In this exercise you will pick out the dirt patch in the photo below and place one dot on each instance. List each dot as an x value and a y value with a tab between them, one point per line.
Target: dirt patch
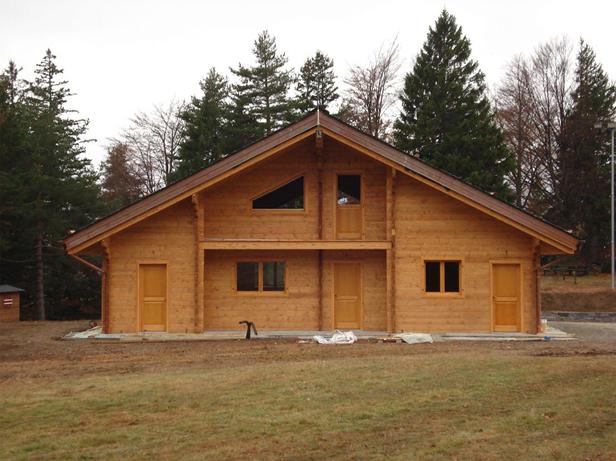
573	352
32	350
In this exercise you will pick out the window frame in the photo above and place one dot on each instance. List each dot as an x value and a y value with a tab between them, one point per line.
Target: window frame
361	189
260	291
442	293
292	211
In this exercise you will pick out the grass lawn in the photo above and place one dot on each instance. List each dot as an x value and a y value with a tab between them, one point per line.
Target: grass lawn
273	400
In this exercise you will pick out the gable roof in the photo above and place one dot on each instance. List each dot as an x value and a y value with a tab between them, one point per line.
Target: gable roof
340	131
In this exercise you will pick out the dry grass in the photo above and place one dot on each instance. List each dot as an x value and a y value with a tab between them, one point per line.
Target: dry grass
586	282
273	400
591	293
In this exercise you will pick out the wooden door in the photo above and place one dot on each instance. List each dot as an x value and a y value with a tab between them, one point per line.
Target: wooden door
506	297
349	207
347	295
153	297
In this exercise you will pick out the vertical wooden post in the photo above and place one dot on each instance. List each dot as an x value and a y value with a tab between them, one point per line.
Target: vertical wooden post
538	276
105	280
199	312
390	254
319	154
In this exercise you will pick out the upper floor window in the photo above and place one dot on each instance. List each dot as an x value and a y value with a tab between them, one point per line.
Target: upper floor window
289	196
349	189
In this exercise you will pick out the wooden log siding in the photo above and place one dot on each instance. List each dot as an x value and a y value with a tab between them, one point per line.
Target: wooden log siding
435	227
168	237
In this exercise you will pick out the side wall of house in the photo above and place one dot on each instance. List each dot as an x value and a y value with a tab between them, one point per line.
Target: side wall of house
431	225
168	237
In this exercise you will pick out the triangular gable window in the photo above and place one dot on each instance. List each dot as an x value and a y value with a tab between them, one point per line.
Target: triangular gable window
289	196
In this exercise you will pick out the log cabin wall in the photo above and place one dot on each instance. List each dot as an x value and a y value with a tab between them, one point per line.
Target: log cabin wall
431	225
298	307
295	309
374	288
168	237
228	213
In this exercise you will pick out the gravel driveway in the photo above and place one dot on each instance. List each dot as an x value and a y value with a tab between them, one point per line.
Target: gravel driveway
589	331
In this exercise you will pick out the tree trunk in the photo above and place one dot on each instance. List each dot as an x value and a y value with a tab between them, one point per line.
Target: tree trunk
40	278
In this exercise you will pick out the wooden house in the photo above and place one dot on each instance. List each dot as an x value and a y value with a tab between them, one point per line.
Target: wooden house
10	303
315	227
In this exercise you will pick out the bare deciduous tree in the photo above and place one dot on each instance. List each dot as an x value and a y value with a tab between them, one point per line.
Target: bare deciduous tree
371	92
552	71
532	102
153	140
514	110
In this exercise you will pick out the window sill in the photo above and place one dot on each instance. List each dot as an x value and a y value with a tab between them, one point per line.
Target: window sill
262	294
443	295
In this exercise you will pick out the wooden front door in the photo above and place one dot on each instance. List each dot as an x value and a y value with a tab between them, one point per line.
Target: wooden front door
506	297
153	297
347	295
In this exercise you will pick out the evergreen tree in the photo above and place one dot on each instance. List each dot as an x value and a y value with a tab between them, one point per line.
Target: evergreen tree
262	91
316	85
583	195
58	189
205	121
446	117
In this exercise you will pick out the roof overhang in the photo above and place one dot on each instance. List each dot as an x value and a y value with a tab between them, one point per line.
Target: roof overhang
341	132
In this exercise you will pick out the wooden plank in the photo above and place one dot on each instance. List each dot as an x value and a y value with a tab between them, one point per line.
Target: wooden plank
222	244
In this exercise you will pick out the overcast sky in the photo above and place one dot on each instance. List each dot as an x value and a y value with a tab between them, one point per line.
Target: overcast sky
121	57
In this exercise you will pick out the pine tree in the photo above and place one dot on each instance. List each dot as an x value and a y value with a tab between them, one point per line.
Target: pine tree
59	185
263	89
205	119
446	117
316	85
583	195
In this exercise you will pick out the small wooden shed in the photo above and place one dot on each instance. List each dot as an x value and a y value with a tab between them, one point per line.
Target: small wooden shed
9	303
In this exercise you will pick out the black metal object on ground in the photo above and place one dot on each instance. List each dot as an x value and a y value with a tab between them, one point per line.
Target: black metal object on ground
249	325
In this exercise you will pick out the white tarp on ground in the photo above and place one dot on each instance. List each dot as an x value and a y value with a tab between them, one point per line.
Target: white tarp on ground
415	338
90	333
339	337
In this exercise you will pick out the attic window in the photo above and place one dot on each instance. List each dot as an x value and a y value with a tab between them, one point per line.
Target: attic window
289	196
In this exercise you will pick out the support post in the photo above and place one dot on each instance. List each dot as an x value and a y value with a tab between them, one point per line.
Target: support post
199	312
390	254
319	155
538	276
